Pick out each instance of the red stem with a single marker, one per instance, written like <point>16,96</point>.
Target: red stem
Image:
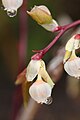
<point>22,47</point>
<point>62,30</point>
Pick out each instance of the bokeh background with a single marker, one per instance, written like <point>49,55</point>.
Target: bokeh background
<point>18,37</point>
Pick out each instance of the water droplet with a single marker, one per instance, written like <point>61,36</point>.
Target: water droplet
<point>11,13</point>
<point>49,100</point>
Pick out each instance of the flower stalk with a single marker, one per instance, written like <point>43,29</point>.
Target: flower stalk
<point>61,29</point>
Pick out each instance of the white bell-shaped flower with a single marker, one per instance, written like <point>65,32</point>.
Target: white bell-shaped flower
<point>11,6</point>
<point>71,61</point>
<point>40,91</point>
<point>72,66</point>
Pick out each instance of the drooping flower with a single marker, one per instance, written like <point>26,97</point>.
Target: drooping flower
<point>11,6</point>
<point>71,61</point>
<point>42,16</point>
<point>43,84</point>
<point>40,91</point>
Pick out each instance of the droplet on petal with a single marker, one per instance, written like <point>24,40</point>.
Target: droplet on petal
<point>11,13</point>
<point>49,101</point>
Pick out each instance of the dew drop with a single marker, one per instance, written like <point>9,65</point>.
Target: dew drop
<point>11,13</point>
<point>49,101</point>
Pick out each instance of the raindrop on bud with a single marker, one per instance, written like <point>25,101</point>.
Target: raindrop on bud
<point>11,13</point>
<point>49,101</point>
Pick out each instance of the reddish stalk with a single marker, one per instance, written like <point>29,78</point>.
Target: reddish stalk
<point>61,30</point>
<point>22,47</point>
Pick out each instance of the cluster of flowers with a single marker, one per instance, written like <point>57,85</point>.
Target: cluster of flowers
<point>71,61</point>
<point>41,89</point>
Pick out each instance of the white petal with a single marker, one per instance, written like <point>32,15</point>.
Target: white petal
<point>70,44</point>
<point>44,8</point>
<point>77,44</point>
<point>32,69</point>
<point>44,74</point>
<point>12,4</point>
<point>40,92</point>
<point>42,64</point>
<point>51,26</point>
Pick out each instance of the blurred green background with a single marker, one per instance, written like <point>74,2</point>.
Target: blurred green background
<point>36,38</point>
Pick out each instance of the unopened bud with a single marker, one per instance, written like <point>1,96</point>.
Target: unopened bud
<point>40,14</point>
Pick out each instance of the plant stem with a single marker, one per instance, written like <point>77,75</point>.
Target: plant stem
<point>22,48</point>
<point>62,30</point>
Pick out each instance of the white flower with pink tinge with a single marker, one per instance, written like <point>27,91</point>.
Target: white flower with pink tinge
<point>71,61</point>
<point>40,91</point>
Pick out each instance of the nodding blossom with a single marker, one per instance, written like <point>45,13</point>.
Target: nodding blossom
<point>11,6</point>
<point>41,89</point>
<point>42,16</point>
<point>71,61</point>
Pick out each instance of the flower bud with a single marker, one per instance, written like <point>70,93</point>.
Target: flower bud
<point>11,6</point>
<point>42,16</point>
